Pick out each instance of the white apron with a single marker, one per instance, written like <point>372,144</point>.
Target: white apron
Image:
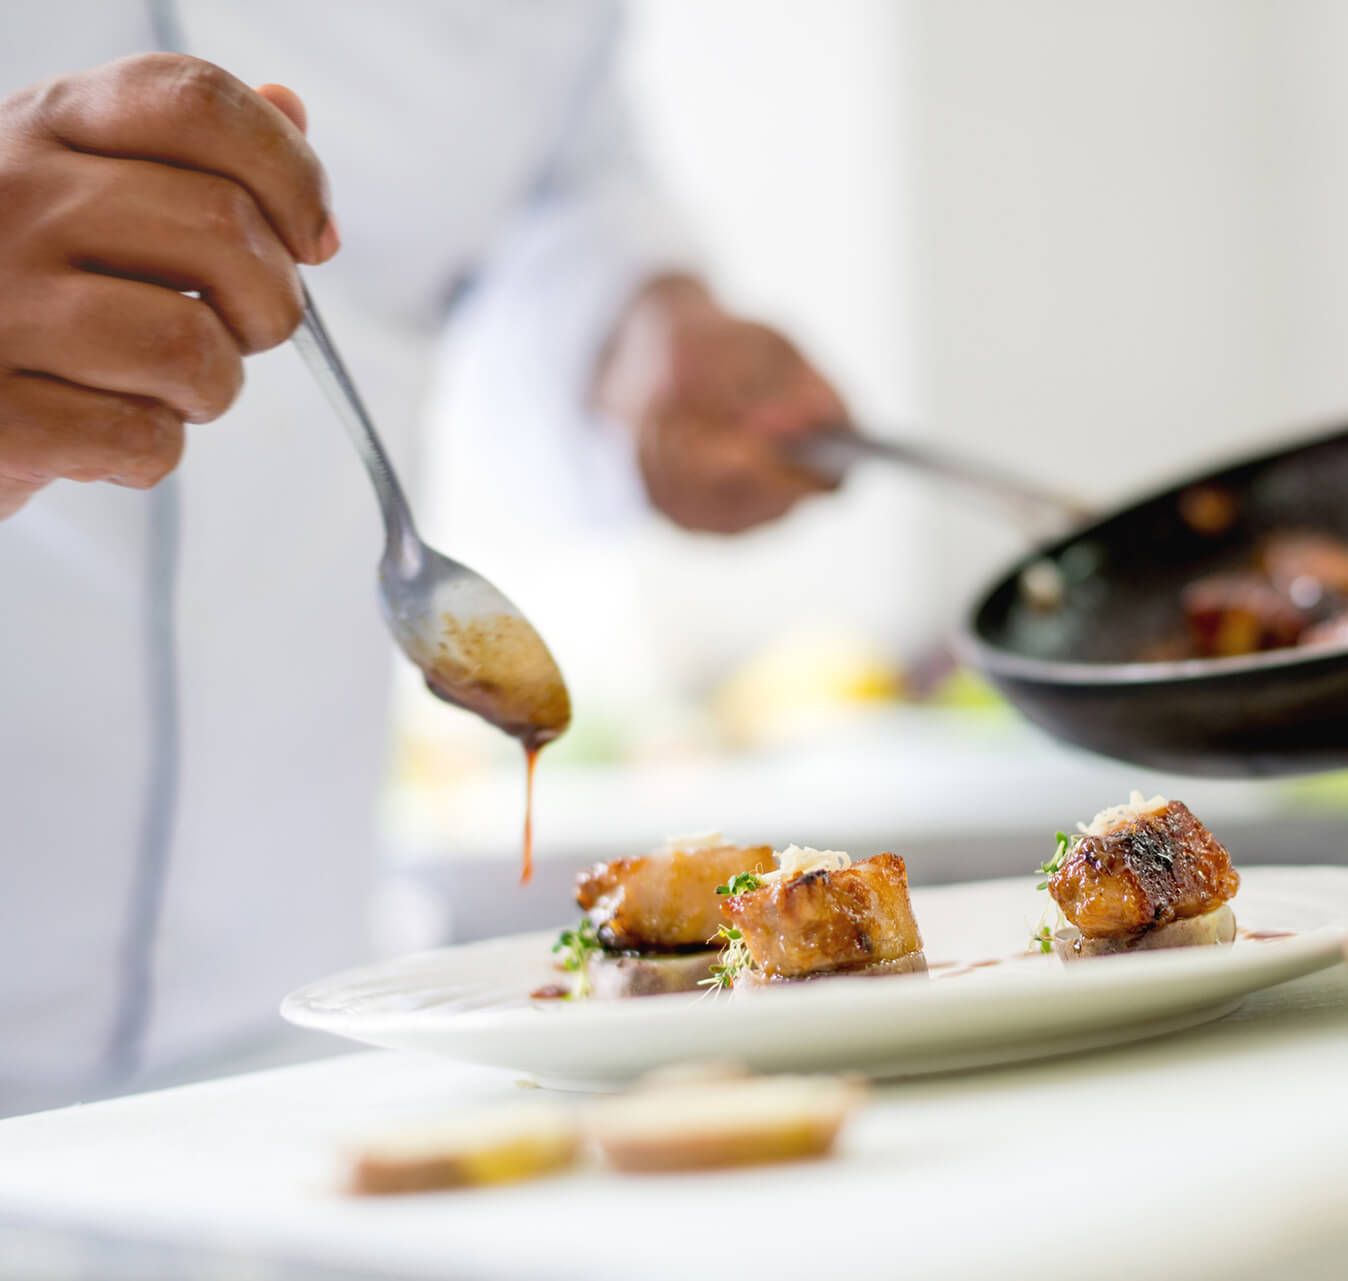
<point>460,142</point>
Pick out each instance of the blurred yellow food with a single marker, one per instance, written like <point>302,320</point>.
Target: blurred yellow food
<point>715,1123</point>
<point>501,1145</point>
<point>966,689</point>
<point>804,678</point>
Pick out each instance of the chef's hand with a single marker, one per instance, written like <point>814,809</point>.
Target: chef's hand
<point>714,402</point>
<point>122,188</point>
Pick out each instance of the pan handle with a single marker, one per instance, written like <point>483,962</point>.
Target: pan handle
<point>832,453</point>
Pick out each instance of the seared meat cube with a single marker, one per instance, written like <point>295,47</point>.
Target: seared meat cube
<point>1232,614</point>
<point>665,901</point>
<point>1306,565</point>
<point>1333,631</point>
<point>1146,869</point>
<point>828,919</point>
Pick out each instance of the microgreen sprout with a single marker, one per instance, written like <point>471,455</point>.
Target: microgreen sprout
<point>1060,853</point>
<point>734,958</point>
<point>741,883</point>
<point>575,948</point>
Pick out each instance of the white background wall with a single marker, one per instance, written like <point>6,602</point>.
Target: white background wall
<point>779,126</point>
<point>1097,240</point>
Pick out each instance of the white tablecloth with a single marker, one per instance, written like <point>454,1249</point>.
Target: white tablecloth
<point>1221,1153</point>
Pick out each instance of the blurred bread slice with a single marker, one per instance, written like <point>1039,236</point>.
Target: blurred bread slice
<point>724,1123</point>
<point>499,1145</point>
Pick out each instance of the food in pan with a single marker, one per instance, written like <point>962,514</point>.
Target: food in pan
<point>1240,614</point>
<point>1142,875</point>
<point>1333,631</point>
<point>499,1145</point>
<point>709,1125</point>
<point>650,920</point>
<point>1305,564</point>
<point>1292,591</point>
<point>816,915</point>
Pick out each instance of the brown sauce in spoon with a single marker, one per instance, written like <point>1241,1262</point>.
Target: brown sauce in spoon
<point>498,667</point>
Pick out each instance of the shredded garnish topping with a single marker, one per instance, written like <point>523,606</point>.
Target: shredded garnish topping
<point>693,843</point>
<point>1117,815</point>
<point>797,860</point>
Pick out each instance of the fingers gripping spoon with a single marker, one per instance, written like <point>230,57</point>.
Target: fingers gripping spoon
<point>472,645</point>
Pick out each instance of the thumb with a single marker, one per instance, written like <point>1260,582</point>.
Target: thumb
<point>288,102</point>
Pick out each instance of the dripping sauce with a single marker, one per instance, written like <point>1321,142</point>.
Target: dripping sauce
<point>530,764</point>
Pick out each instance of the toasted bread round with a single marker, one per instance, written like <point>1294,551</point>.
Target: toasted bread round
<point>502,1145</point>
<point>913,963</point>
<point>729,1123</point>
<point>619,976</point>
<point>1215,927</point>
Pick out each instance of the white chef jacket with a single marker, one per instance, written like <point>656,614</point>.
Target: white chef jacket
<point>181,847</point>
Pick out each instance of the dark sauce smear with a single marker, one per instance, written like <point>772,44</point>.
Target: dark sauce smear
<point>550,992</point>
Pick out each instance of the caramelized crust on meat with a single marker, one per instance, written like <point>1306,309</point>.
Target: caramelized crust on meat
<point>666,901</point>
<point>1159,867</point>
<point>828,920</point>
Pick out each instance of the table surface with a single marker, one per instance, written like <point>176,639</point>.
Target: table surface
<point>1220,1152</point>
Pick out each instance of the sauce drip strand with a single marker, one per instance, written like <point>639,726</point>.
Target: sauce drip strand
<point>498,667</point>
<point>530,764</point>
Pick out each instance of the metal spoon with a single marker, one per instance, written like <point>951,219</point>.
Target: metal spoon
<point>1039,512</point>
<point>833,453</point>
<point>473,645</point>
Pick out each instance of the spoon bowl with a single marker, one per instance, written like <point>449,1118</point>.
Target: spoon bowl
<point>474,646</point>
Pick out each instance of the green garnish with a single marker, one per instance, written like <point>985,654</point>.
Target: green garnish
<point>740,884</point>
<point>734,958</point>
<point>1042,939</point>
<point>1060,853</point>
<point>575,947</point>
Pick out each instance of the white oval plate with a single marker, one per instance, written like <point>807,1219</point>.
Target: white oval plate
<point>986,1001</point>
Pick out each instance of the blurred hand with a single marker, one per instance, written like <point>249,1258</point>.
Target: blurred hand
<point>713,401</point>
<point>121,188</point>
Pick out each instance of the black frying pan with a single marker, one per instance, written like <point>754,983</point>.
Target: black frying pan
<point>1074,668</point>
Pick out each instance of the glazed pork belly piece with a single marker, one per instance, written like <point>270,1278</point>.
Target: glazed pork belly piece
<point>821,914</point>
<point>1241,613</point>
<point>665,901</point>
<point>1145,874</point>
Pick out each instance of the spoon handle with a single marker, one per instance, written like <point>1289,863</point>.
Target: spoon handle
<point>833,453</point>
<point>329,370</point>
